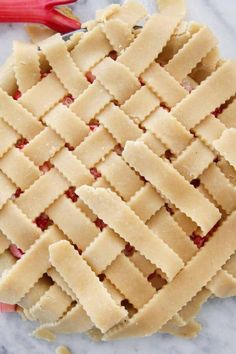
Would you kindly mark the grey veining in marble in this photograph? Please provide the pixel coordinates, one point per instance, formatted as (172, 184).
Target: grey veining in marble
(218, 317)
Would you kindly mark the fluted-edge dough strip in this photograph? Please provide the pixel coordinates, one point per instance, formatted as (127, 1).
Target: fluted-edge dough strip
(166, 128)
(194, 160)
(7, 260)
(36, 150)
(209, 129)
(118, 33)
(78, 228)
(17, 227)
(130, 281)
(67, 124)
(95, 255)
(108, 72)
(146, 202)
(84, 54)
(224, 83)
(57, 278)
(43, 96)
(186, 224)
(223, 284)
(225, 146)
(130, 12)
(75, 320)
(172, 7)
(125, 130)
(119, 174)
(141, 104)
(163, 85)
(228, 117)
(62, 64)
(157, 31)
(14, 286)
(11, 110)
(51, 306)
(86, 291)
(15, 164)
(164, 225)
(105, 204)
(228, 171)
(72, 168)
(8, 137)
(191, 54)
(7, 189)
(95, 147)
(7, 76)
(53, 183)
(26, 65)
(34, 295)
(4, 243)
(220, 188)
(153, 143)
(167, 180)
(172, 298)
(91, 102)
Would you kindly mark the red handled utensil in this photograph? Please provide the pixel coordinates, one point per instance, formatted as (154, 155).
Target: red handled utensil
(38, 11)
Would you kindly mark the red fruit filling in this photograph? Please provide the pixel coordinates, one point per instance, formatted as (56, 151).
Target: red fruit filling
(47, 166)
(78, 249)
(93, 124)
(43, 221)
(113, 55)
(129, 250)
(119, 149)
(169, 155)
(70, 193)
(17, 95)
(218, 111)
(15, 251)
(43, 75)
(18, 192)
(100, 224)
(67, 100)
(20, 144)
(142, 82)
(90, 77)
(6, 308)
(196, 182)
(187, 85)
(69, 147)
(199, 241)
(163, 105)
(101, 277)
(95, 173)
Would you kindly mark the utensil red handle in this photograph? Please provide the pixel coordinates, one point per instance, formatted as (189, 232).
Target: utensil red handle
(38, 11)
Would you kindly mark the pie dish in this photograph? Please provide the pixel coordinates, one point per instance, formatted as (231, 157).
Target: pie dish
(118, 175)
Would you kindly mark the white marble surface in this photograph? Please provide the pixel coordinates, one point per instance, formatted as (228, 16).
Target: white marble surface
(218, 317)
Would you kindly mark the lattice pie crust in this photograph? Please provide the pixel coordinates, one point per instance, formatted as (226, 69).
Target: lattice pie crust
(141, 123)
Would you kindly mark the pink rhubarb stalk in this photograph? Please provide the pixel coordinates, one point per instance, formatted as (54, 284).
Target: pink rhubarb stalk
(38, 11)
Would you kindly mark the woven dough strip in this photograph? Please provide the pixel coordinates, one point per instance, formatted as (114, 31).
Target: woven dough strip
(13, 286)
(171, 184)
(8, 137)
(27, 69)
(86, 293)
(56, 52)
(156, 251)
(223, 80)
(191, 54)
(146, 322)
(224, 146)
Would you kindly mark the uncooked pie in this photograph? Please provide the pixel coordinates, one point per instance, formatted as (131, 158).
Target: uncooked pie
(118, 176)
